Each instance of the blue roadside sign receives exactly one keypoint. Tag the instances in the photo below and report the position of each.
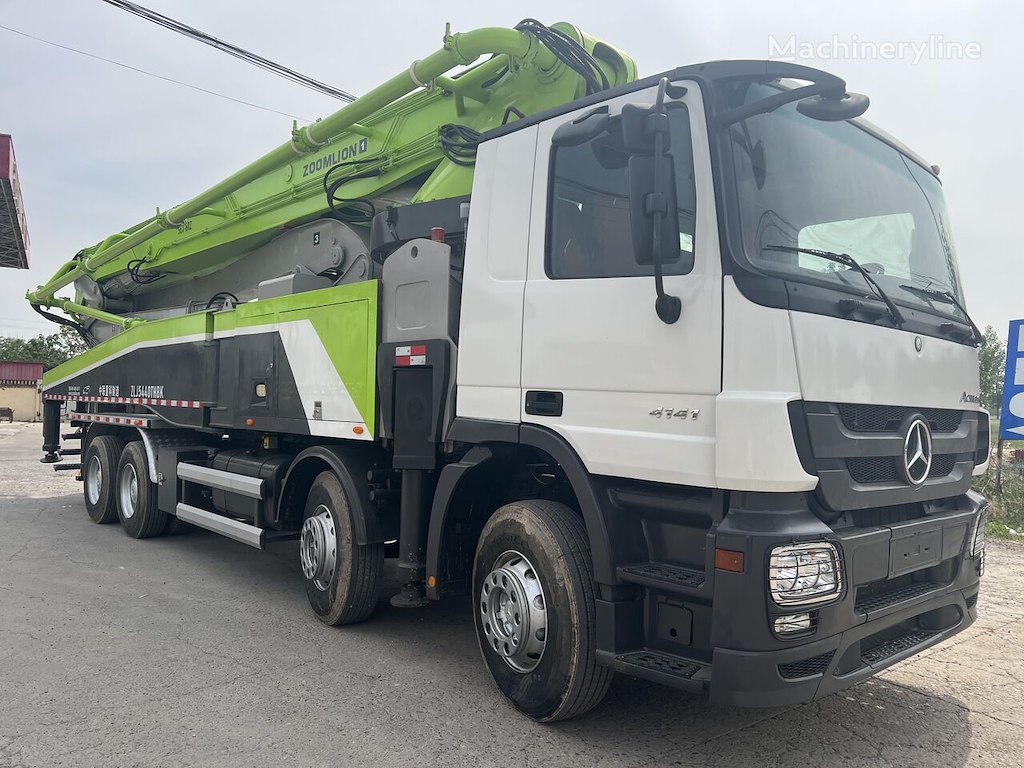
(1011, 419)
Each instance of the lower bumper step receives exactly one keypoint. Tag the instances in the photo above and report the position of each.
(887, 647)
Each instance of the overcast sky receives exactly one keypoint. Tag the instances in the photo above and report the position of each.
(100, 147)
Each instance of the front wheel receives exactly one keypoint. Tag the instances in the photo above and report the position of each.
(534, 610)
(342, 576)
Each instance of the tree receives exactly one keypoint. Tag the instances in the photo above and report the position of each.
(992, 362)
(50, 350)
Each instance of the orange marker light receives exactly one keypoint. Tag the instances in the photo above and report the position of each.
(358, 430)
(431, 581)
(250, 421)
(729, 560)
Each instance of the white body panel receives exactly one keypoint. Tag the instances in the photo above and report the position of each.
(843, 362)
(755, 449)
(600, 342)
(491, 327)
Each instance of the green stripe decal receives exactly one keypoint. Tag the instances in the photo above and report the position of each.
(153, 331)
(344, 318)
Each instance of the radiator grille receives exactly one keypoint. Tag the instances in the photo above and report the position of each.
(884, 469)
(887, 418)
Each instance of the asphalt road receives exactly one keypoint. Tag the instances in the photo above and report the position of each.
(195, 650)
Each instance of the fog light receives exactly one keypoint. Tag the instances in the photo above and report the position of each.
(790, 625)
(801, 574)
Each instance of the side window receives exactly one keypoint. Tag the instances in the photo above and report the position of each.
(588, 209)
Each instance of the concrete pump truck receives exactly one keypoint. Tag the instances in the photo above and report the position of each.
(672, 376)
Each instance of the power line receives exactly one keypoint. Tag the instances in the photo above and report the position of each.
(233, 50)
(152, 74)
(17, 321)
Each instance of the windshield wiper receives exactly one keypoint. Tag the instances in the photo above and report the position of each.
(848, 261)
(947, 297)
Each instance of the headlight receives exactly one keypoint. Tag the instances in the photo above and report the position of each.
(804, 573)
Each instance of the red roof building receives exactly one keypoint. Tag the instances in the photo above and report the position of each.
(15, 374)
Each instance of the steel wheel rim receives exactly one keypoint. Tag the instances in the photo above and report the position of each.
(513, 612)
(93, 480)
(318, 548)
(128, 491)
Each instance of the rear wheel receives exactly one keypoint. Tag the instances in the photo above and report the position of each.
(136, 495)
(534, 610)
(342, 577)
(99, 470)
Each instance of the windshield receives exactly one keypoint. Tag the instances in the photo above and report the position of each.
(833, 186)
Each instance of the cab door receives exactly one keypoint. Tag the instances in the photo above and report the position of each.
(633, 395)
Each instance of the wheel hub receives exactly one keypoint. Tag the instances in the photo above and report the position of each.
(128, 490)
(318, 548)
(93, 480)
(514, 612)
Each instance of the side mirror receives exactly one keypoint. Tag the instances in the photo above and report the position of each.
(645, 201)
(845, 107)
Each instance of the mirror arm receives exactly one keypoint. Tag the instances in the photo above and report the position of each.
(773, 102)
(668, 307)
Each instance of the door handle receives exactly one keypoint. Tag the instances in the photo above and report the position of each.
(542, 403)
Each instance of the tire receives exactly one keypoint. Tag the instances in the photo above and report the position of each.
(541, 547)
(138, 512)
(343, 591)
(99, 472)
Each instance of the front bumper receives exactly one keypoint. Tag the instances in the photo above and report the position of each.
(820, 667)
(907, 586)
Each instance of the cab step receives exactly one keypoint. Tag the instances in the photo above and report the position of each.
(660, 667)
(664, 577)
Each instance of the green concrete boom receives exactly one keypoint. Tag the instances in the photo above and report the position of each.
(387, 138)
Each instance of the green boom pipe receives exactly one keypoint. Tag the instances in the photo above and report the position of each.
(459, 49)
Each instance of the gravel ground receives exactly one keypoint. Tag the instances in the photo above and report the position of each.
(195, 650)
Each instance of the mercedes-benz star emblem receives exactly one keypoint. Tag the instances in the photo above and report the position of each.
(917, 451)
